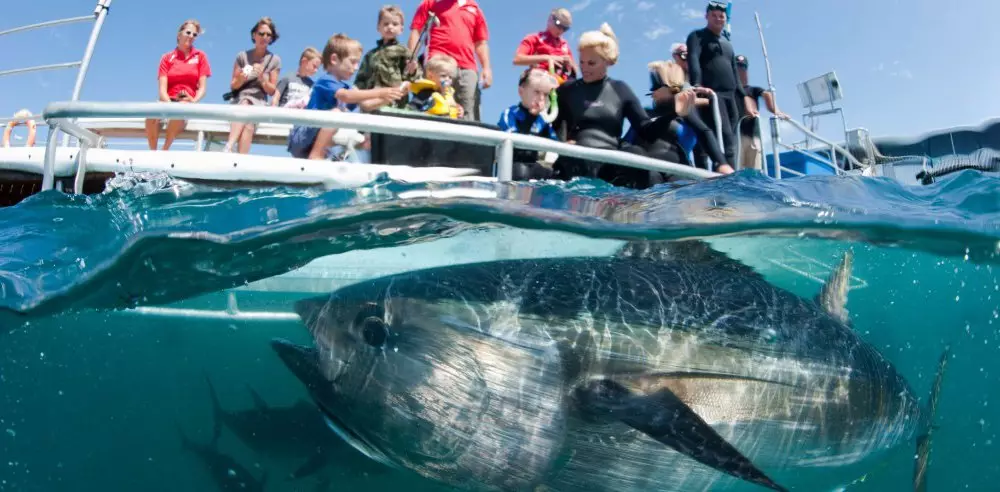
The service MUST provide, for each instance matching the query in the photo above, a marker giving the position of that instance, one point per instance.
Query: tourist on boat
(751, 155)
(22, 117)
(592, 113)
(182, 77)
(526, 118)
(333, 92)
(385, 64)
(255, 77)
(548, 48)
(293, 91)
(673, 97)
(462, 34)
(435, 94)
(712, 64)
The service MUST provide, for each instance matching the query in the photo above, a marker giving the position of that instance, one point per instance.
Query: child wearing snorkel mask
(434, 94)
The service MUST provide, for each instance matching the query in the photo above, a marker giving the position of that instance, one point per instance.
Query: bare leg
(236, 132)
(324, 140)
(152, 132)
(174, 128)
(246, 137)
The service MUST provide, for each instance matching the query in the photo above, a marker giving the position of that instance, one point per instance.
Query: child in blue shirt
(333, 92)
(526, 118)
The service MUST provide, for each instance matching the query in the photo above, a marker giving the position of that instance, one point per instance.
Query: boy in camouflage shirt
(385, 65)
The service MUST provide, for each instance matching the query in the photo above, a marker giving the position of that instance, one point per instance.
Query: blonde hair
(308, 54)
(341, 45)
(602, 41)
(671, 74)
(441, 64)
(193, 22)
(388, 10)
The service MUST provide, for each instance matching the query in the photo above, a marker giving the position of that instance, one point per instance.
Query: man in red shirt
(540, 49)
(460, 33)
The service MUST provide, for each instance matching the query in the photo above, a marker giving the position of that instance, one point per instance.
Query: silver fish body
(626, 374)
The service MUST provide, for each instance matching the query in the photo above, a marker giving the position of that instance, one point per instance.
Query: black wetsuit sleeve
(561, 122)
(635, 114)
(694, 55)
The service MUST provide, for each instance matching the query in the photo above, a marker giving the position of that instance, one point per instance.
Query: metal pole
(718, 122)
(39, 68)
(100, 12)
(49, 171)
(505, 162)
(775, 134)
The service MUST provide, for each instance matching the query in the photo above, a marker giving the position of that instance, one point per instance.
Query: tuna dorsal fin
(833, 297)
(690, 250)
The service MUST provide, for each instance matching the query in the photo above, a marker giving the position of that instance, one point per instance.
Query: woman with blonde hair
(183, 78)
(592, 113)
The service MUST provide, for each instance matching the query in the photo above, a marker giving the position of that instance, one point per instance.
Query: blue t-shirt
(324, 94)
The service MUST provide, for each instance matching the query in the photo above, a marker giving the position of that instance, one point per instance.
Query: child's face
(344, 68)
(309, 66)
(534, 97)
(390, 27)
(442, 79)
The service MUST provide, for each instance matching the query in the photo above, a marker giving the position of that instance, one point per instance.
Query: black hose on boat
(977, 161)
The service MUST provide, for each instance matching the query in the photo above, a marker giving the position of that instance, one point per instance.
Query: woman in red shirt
(183, 78)
(548, 46)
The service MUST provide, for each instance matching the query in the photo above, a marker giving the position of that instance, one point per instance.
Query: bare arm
(270, 83)
(520, 59)
(163, 88)
(771, 106)
(411, 44)
(238, 77)
(202, 87)
(358, 96)
(483, 52)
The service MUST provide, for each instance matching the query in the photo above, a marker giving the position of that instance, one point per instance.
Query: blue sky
(898, 61)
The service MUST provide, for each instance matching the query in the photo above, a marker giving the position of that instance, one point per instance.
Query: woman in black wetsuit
(592, 113)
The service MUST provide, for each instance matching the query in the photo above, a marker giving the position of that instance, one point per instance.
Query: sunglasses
(193, 34)
(560, 24)
(265, 34)
(683, 55)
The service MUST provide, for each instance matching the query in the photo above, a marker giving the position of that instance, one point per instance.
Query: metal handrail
(834, 148)
(718, 121)
(40, 68)
(58, 22)
(56, 113)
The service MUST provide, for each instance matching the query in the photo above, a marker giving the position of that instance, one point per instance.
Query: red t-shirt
(543, 43)
(462, 26)
(183, 72)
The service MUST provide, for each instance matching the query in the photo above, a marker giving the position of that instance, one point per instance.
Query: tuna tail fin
(218, 414)
(922, 458)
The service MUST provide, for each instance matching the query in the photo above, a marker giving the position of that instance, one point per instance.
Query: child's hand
(411, 67)
(391, 93)
(461, 111)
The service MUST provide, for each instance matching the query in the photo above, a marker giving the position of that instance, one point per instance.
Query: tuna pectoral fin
(924, 440)
(833, 297)
(664, 417)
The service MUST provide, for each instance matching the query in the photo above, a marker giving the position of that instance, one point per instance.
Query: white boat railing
(60, 115)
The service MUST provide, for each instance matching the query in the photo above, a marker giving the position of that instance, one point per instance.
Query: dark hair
(266, 21)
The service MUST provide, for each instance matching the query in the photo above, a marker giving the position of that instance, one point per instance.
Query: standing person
(182, 77)
(255, 76)
(712, 64)
(385, 64)
(542, 48)
(750, 144)
(462, 34)
(293, 91)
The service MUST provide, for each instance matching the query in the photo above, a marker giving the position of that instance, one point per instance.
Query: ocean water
(98, 382)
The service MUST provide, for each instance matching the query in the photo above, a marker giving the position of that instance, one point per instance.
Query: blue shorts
(301, 140)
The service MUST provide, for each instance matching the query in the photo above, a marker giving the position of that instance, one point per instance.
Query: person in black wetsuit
(592, 113)
(712, 64)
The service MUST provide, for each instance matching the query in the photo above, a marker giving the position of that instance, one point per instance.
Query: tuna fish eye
(375, 331)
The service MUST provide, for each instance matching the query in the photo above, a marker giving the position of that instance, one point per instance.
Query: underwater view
(170, 336)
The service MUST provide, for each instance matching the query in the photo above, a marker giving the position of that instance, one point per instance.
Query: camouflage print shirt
(385, 66)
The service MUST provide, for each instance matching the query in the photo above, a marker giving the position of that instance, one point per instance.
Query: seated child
(332, 92)
(526, 118)
(435, 93)
(293, 91)
(385, 64)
